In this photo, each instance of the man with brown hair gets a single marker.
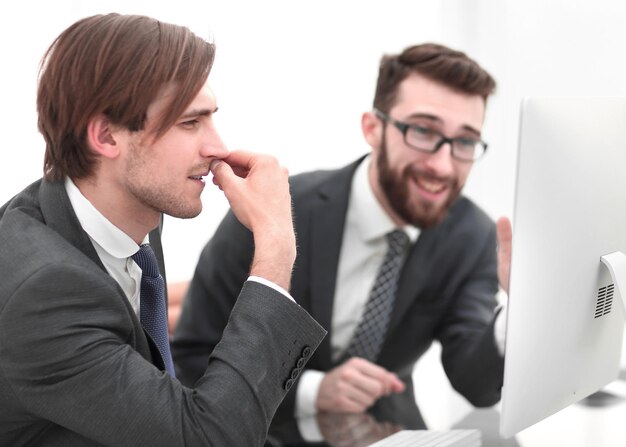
(425, 134)
(126, 113)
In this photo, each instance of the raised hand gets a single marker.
(257, 188)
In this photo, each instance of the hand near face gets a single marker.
(355, 385)
(257, 189)
(505, 236)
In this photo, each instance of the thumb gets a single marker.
(222, 173)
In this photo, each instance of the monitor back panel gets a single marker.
(563, 339)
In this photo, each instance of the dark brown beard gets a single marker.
(396, 190)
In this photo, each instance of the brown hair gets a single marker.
(114, 65)
(439, 63)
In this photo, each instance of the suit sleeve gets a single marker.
(469, 353)
(71, 363)
(210, 298)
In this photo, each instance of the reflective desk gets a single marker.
(598, 421)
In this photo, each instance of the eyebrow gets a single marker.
(436, 119)
(198, 112)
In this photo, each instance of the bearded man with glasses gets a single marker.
(425, 135)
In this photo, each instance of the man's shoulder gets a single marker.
(320, 180)
(469, 222)
(27, 239)
(29, 242)
(466, 209)
(26, 201)
(21, 221)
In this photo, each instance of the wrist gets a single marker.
(274, 256)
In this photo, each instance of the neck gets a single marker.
(118, 209)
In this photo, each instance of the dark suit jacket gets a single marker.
(76, 368)
(447, 289)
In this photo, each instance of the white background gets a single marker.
(292, 78)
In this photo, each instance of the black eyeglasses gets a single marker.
(428, 140)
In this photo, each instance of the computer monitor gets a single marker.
(565, 314)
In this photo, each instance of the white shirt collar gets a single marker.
(113, 240)
(113, 246)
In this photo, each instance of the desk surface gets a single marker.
(587, 423)
(599, 421)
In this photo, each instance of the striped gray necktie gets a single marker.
(370, 333)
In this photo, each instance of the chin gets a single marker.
(184, 212)
(427, 217)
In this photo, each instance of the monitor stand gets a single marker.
(615, 264)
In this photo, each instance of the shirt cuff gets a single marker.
(306, 394)
(271, 285)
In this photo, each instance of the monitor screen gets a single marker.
(565, 316)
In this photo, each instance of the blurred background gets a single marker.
(292, 79)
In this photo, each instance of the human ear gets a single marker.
(101, 136)
(372, 129)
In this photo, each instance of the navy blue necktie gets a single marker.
(152, 311)
(370, 333)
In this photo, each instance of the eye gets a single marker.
(420, 129)
(189, 124)
(423, 133)
(466, 143)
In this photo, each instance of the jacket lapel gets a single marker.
(327, 220)
(59, 215)
(414, 275)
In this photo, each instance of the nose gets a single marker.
(212, 144)
(441, 162)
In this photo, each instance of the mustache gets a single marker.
(201, 167)
(416, 173)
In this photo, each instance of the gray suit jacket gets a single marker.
(76, 368)
(447, 289)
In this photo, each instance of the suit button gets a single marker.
(306, 352)
(294, 373)
(300, 363)
(288, 384)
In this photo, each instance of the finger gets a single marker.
(241, 161)
(504, 232)
(358, 386)
(396, 385)
(388, 381)
(222, 172)
(347, 389)
(343, 402)
(505, 235)
(358, 397)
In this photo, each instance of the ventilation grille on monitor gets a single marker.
(605, 300)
